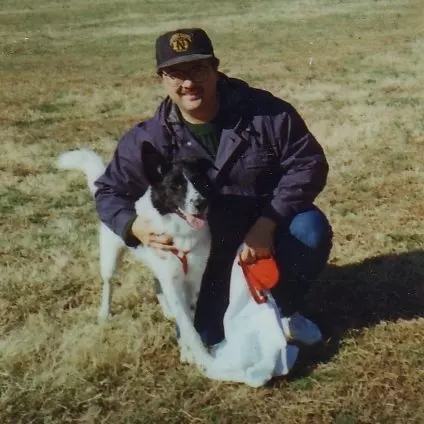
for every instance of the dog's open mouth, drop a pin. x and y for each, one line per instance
(194, 220)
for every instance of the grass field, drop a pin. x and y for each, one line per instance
(79, 73)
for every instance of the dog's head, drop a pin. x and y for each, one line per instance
(183, 188)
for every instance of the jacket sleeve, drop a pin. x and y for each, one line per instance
(121, 185)
(303, 164)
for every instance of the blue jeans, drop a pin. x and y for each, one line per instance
(302, 248)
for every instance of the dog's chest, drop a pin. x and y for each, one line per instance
(192, 267)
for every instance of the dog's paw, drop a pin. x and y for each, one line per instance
(201, 358)
(205, 363)
(103, 317)
(186, 355)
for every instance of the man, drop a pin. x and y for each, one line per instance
(267, 166)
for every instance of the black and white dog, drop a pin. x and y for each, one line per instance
(176, 205)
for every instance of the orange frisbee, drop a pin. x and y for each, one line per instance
(260, 275)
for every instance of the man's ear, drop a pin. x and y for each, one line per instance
(215, 63)
(154, 164)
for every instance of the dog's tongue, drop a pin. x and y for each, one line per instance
(193, 220)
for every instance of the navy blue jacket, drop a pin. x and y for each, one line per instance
(266, 156)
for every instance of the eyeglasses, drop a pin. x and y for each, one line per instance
(197, 74)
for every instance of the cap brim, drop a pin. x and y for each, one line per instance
(183, 59)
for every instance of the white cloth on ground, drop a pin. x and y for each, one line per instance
(255, 348)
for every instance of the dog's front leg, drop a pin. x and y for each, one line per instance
(193, 349)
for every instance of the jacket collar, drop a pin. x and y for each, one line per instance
(235, 106)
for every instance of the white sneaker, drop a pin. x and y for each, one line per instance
(297, 328)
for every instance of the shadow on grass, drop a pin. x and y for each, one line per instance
(353, 297)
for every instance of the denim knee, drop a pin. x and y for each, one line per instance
(312, 229)
(303, 246)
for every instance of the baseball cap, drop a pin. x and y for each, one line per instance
(182, 45)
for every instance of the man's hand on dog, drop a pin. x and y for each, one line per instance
(259, 241)
(144, 231)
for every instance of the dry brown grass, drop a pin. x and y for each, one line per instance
(79, 73)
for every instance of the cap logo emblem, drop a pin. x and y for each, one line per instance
(180, 42)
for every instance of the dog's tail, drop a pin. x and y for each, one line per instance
(84, 160)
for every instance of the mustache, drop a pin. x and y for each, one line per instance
(191, 91)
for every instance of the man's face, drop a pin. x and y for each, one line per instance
(191, 85)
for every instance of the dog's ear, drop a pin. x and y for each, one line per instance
(154, 164)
